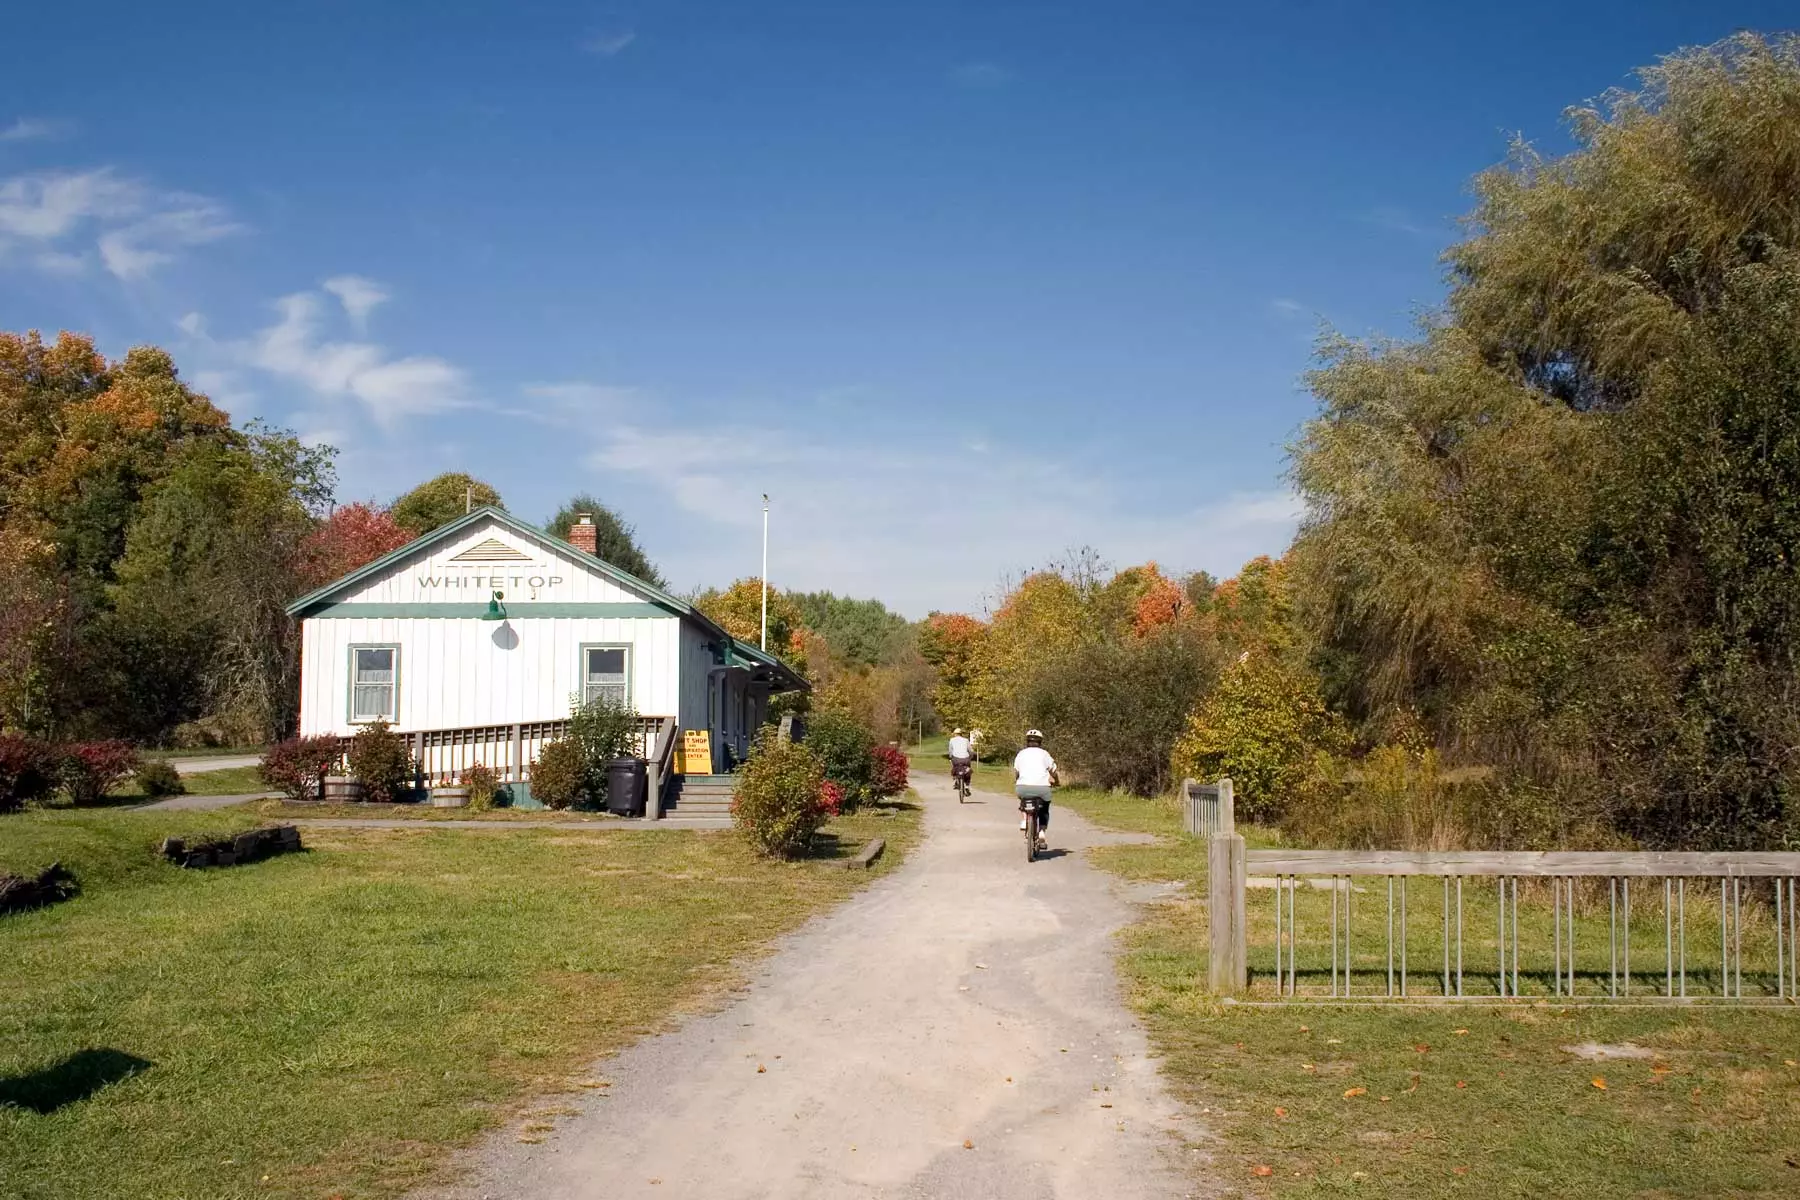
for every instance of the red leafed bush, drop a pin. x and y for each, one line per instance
(888, 774)
(27, 771)
(89, 770)
(298, 766)
(831, 798)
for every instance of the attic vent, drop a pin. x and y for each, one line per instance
(491, 551)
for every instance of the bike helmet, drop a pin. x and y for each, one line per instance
(1034, 735)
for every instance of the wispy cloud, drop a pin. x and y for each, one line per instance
(60, 218)
(609, 45)
(35, 129)
(358, 295)
(981, 75)
(1399, 220)
(863, 510)
(1282, 306)
(297, 348)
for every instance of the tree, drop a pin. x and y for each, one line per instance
(738, 610)
(951, 643)
(615, 540)
(857, 632)
(1559, 527)
(352, 537)
(439, 501)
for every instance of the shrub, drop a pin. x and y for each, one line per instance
(380, 761)
(781, 798)
(888, 777)
(559, 776)
(158, 778)
(298, 766)
(604, 730)
(845, 751)
(89, 770)
(1263, 726)
(482, 783)
(831, 798)
(27, 771)
(1113, 709)
(196, 735)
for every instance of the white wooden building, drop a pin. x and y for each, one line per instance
(475, 639)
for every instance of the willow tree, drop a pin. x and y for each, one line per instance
(1561, 526)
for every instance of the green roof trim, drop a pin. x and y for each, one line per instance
(319, 598)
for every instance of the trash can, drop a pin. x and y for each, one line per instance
(627, 787)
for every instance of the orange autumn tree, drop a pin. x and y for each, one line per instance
(951, 643)
(738, 609)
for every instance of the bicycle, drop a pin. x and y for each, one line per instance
(1032, 808)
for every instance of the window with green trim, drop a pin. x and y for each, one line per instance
(374, 684)
(606, 672)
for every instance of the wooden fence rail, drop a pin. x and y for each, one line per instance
(1761, 886)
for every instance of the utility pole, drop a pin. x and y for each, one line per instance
(765, 574)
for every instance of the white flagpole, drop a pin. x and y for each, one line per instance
(765, 574)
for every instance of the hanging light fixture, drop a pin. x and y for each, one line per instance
(496, 611)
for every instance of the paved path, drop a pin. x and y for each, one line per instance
(968, 996)
(198, 803)
(199, 766)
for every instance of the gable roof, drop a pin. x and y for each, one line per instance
(729, 645)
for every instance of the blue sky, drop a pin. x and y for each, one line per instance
(962, 285)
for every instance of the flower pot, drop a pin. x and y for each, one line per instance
(455, 796)
(341, 789)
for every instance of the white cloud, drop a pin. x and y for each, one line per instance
(134, 228)
(981, 75)
(1284, 307)
(296, 348)
(917, 521)
(34, 129)
(358, 295)
(609, 45)
(193, 324)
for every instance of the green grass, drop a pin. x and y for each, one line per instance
(332, 1022)
(1478, 1100)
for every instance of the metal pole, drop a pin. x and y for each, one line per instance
(1278, 935)
(1612, 925)
(1669, 936)
(1780, 949)
(1334, 936)
(1459, 936)
(1403, 935)
(1515, 934)
(1724, 937)
(1500, 936)
(1681, 919)
(1390, 935)
(1625, 888)
(764, 644)
(1293, 937)
(1737, 932)
(1556, 925)
(1446, 935)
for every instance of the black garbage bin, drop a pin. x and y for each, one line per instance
(627, 787)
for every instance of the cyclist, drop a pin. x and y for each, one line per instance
(962, 754)
(1035, 772)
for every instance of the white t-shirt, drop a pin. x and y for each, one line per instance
(1034, 765)
(960, 748)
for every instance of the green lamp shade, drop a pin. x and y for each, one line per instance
(496, 611)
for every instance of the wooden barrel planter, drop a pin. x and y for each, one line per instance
(341, 789)
(453, 796)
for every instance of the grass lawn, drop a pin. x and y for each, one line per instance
(1437, 1099)
(332, 1022)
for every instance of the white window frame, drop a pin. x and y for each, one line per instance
(392, 717)
(587, 684)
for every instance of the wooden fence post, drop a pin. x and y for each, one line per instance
(1227, 807)
(1225, 881)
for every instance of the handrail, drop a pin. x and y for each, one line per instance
(661, 758)
(1525, 863)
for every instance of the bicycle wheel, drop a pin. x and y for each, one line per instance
(1031, 835)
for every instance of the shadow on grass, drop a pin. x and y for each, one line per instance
(73, 1079)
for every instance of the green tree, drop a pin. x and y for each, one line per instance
(439, 501)
(857, 632)
(738, 610)
(615, 540)
(1560, 526)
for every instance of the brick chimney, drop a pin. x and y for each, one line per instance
(583, 535)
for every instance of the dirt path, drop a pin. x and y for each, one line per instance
(968, 996)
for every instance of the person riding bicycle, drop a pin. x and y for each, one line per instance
(962, 756)
(1035, 772)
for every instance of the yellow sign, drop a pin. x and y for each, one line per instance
(696, 752)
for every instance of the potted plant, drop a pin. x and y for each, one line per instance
(450, 795)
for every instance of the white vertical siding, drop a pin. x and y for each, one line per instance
(460, 672)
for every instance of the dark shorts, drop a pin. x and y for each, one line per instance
(959, 768)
